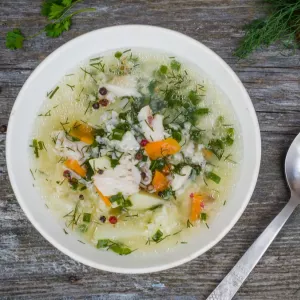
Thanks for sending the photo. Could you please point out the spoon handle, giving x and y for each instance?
(235, 278)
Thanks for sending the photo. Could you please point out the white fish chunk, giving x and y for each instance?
(152, 127)
(123, 178)
(180, 180)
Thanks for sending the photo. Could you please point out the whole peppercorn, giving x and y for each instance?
(103, 102)
(113, 220)
(67, 174)
(139, 156)
(144, 142)
(102, 219)
(81, 197)
(100, 171)
(103, 91)
(96, 105)
(3, 128)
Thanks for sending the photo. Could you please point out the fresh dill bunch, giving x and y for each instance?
(282, 24)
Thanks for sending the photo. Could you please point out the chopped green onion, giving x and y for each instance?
(203, 217)
(103, 243)
(118, 54)
(176, 134)
(157, 236)
(87, 217)
(175, 65)
(194, 97)
(83, 228)
(214, 177)
(117, 134)
(163, 69)
(217, 147)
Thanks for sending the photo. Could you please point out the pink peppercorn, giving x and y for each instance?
(143, 143)
(113, 220)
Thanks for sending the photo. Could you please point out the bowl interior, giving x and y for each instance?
(67, 57)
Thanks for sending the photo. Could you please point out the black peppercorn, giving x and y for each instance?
(103, 91)
(96, 105)
(102, 219)
(3, 128)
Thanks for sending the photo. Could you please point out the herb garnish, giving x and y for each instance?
(283, 23)
(37, 146)
(55, 11)
(114, 246)
(52, 93)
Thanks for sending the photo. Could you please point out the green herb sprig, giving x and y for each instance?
(282, 24)
(59, 21)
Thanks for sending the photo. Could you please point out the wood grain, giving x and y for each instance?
(30, 268)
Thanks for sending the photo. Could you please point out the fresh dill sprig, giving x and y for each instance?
(282, 24)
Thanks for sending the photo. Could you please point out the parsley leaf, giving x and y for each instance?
(14, 39)
(54, 9)
(56, 29)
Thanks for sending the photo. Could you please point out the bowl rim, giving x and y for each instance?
(165, 266)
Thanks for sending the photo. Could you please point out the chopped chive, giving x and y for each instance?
(80, 242)
(65, 231)
(128, 50)
(183, 242)
(52, 93)
(224, 202)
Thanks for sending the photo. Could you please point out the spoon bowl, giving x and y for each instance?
(292, 167)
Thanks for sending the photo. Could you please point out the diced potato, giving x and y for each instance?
(101, 163)
(143, 201)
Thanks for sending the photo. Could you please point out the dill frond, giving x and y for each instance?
(282, 24)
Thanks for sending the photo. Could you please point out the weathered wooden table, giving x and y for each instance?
(31, 268)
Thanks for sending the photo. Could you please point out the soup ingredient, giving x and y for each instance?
(282, 24)
(121, 175)
(83, 132)
(53, 10)
(196, 207)
(73, 165)
(160, 181)
(162, 148)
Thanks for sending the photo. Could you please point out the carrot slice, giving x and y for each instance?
(162, 148)
(196, 207)
(160, 181)
(83, 132)
(104, 198)
(74, 165)
(207, 153)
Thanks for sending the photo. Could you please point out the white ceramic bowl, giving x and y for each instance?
(67, 57)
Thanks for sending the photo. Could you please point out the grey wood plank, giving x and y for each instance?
(30, 268)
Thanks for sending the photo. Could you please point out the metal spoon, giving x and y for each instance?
(235, 278)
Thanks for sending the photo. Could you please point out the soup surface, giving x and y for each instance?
(134, 150)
